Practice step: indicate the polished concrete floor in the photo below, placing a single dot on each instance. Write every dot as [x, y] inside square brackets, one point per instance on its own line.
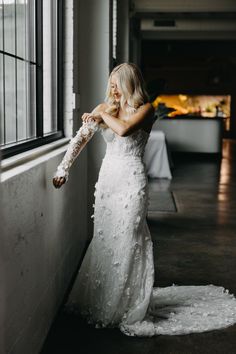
[194, 246]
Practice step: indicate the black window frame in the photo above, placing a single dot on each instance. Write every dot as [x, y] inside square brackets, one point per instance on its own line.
[15, 148]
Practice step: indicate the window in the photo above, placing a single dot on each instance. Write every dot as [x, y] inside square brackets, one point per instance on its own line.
[114, 29]
[30, 73]
[113, 34]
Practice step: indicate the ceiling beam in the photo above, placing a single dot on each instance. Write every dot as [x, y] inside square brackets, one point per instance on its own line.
[189, 35]
[186, 15]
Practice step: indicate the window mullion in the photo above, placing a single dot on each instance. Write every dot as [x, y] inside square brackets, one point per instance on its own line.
[4, 77]
[16, 76]
[60, 57]
[39, 68]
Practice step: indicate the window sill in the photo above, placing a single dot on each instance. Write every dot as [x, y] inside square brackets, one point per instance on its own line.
[21, 162]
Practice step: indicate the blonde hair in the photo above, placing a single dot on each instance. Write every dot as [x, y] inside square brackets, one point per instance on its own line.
[131, 85]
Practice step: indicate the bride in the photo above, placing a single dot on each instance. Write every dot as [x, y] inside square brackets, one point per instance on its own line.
[114, 285]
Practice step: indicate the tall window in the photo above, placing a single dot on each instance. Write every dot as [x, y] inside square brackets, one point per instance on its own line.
[30, 68]
[114, 29]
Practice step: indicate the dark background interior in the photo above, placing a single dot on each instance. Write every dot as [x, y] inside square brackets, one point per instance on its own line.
[193, 67]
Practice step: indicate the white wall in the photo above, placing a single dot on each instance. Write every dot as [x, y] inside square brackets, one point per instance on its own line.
[43, 235]
[93, 43]
[43, 229]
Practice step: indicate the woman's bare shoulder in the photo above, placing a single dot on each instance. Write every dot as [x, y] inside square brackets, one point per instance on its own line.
[101, 107]
[147, 107]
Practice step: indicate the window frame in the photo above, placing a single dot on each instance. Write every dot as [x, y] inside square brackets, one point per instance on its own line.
[18, 147]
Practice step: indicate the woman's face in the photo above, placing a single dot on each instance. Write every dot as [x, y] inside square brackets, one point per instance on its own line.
[116, 93]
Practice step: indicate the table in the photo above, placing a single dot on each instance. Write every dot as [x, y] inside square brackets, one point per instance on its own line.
[156, 156]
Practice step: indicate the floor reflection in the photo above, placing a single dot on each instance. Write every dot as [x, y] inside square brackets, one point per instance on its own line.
[226, 187]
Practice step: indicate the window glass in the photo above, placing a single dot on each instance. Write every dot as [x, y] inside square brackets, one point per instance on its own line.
[21, 99]
[21, 22]
[50, 66]
[31, 30]
[9, 26]
[1, 25]
[10, 98]
[1, 101]
[31, 102]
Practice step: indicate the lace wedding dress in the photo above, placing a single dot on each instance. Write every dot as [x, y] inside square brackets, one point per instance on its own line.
[114, 286]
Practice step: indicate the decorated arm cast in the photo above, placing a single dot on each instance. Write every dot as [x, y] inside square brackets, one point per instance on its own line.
[76, 145]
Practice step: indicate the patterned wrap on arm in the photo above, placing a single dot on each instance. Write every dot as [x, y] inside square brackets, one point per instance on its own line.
[76, 145]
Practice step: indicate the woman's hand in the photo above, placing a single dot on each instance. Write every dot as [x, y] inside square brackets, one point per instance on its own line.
[58, 181]
[86, 117]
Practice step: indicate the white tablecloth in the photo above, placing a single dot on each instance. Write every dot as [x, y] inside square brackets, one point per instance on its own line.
[156, 156]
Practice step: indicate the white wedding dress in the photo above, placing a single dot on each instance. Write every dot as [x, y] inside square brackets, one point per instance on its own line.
[114, 286]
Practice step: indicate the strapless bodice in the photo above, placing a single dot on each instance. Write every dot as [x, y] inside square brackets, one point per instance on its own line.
[133, 144]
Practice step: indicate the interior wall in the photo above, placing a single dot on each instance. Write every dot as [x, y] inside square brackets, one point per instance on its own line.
[94, 61]
[43, 231]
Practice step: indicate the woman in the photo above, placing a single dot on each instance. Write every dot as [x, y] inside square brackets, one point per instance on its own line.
[114, 286]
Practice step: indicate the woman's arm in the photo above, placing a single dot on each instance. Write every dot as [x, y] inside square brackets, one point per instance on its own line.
[134, 122]
[95, 114]
[76, 145]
